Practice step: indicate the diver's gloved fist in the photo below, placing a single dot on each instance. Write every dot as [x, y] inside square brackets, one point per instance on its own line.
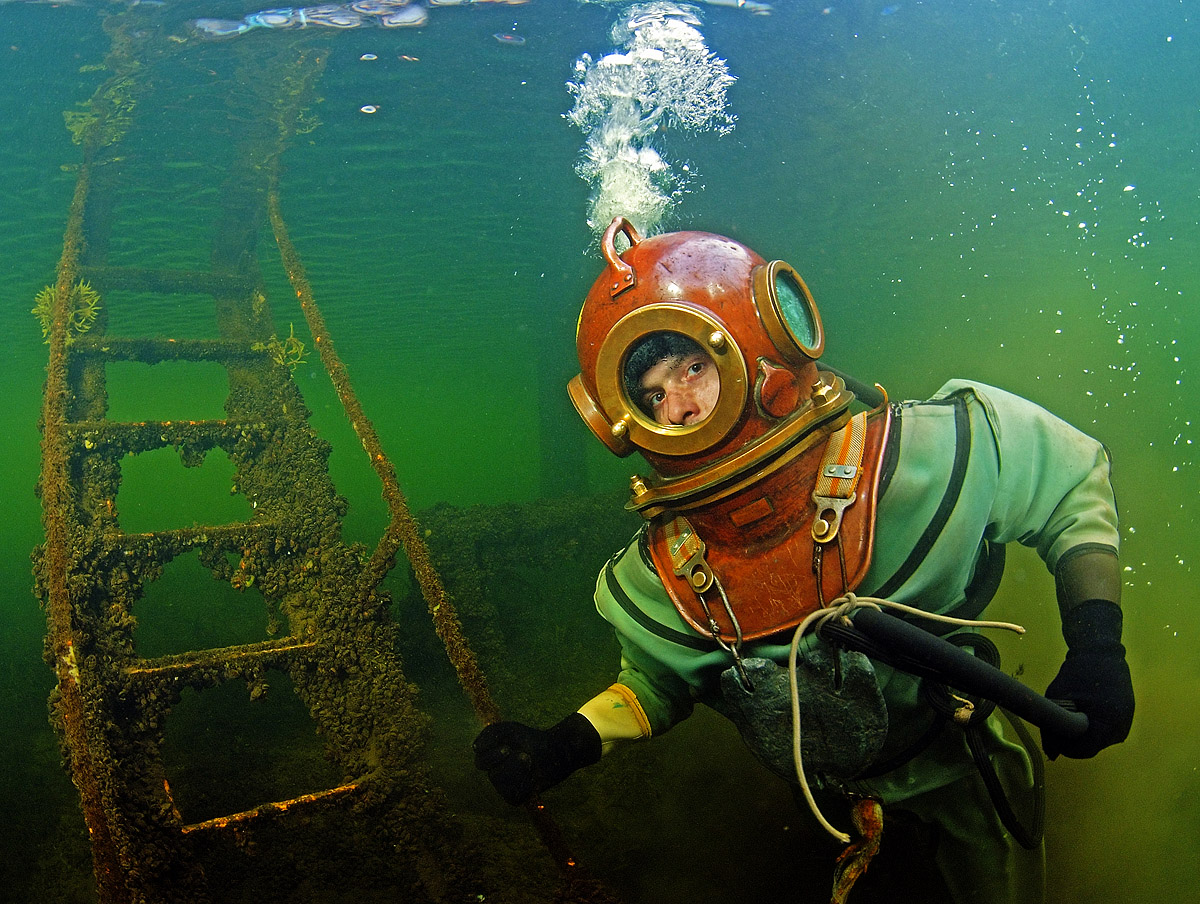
[1094, 679]
[523, 761]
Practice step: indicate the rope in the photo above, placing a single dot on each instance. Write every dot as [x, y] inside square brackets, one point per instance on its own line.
[403, 529]
[840, 609]
[56, 518]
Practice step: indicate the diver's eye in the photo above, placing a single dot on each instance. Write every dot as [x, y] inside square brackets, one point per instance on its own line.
[697, 367]
[652, 400]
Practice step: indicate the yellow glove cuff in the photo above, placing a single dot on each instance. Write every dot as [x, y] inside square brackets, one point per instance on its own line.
[617, 716]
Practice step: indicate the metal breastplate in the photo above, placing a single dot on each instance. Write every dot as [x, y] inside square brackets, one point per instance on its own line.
[756, 562]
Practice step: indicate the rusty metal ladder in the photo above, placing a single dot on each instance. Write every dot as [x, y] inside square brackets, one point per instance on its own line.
[336, 640]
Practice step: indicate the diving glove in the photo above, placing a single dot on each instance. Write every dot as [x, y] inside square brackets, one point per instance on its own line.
[523, 761]
[1094, 679]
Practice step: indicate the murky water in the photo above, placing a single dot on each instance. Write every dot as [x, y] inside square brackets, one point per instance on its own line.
[1005, 192]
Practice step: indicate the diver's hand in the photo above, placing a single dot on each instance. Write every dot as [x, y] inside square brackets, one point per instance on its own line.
[523, 761]
[1094, 679]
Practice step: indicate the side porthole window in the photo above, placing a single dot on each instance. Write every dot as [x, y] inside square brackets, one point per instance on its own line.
[795, 307]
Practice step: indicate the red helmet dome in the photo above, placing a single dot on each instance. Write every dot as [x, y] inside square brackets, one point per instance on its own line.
[755, 319]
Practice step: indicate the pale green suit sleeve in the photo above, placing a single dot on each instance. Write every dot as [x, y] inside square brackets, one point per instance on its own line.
[1054, 489]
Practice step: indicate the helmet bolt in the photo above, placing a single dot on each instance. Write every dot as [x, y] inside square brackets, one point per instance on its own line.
[821, 392]
[716, 340]
[620, 428]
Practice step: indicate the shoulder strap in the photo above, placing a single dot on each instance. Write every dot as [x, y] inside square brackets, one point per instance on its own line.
[958, 473]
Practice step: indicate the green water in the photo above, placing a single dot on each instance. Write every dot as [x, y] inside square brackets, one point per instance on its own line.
[1000, 191]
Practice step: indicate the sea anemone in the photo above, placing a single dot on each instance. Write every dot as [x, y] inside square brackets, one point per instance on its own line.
[83, 307]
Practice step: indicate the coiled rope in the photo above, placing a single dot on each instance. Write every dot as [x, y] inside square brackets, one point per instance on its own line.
[841, 609]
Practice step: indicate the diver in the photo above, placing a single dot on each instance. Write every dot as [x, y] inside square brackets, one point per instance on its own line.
[782, 491]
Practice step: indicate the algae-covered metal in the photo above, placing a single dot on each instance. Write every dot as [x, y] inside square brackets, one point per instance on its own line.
[329, 631]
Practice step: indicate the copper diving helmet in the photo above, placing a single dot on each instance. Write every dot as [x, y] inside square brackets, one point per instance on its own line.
[755, 319]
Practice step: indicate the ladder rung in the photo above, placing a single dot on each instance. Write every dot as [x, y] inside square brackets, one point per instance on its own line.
[173, 282]
[153, 350]
[155, 544]
[273, 808]
[145, 436]
[235, 661]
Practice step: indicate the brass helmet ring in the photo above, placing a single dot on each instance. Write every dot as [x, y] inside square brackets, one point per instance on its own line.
[628, 418]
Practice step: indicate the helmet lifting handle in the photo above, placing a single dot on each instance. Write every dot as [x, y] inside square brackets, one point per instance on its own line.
[623, 275]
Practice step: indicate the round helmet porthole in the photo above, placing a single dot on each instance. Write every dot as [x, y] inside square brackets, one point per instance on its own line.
[788, 310]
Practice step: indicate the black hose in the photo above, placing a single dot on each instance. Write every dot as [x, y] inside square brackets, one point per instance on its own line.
[966, 672]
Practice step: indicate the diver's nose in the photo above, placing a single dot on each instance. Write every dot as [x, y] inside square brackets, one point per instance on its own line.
[683, 408]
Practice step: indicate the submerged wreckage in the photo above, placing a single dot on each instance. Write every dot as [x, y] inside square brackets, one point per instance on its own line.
[377, 816]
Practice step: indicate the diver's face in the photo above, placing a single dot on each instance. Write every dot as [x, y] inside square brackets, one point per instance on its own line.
[681, 390]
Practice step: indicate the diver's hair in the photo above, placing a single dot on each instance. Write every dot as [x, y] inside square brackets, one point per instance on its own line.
[650, 350]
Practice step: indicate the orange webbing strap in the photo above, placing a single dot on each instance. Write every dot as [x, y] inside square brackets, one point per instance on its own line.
[837, 478]
[687, 553]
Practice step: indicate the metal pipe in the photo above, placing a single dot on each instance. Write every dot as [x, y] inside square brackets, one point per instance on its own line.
[968, 673]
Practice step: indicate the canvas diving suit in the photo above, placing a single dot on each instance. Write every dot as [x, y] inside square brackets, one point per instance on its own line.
[970, 464]
[775, 499]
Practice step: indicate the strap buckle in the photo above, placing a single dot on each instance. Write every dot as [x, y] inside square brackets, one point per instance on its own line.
[687, 554]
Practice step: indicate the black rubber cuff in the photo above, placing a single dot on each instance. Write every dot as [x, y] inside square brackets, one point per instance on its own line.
[1093, 625]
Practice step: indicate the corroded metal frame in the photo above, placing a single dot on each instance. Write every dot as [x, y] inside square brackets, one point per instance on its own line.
[339, 643]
